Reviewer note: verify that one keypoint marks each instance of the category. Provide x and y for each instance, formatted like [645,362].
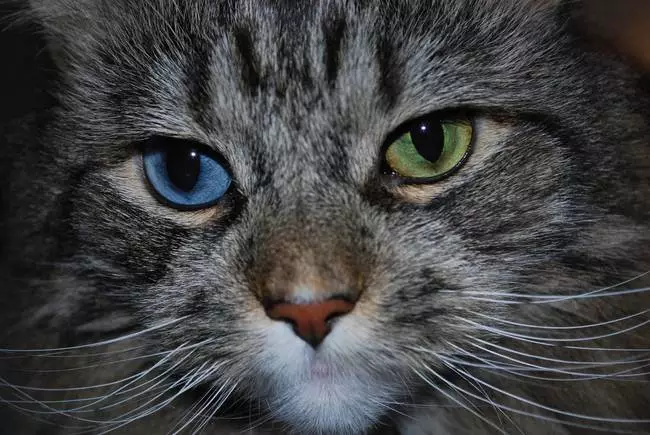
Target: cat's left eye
[183,174]
[429,148]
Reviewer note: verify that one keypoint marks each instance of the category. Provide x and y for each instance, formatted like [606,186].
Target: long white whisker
[538,299]
[123,389]
[485,394]
[51,411]
[65,354]
[576,376]
[190,380]
[560,328]
[551,340]
[28,413]
[99,343]
[159,378]
[205,397]
[511,368]
[546,298]
[557,360]
[73,401]
[109,384]
[556,410]
[607,349]
[103,364]
[387,406]
[69,412]
[209,402]
[487,397]
[521,412]
[453,399]
[125,421]
[216,407]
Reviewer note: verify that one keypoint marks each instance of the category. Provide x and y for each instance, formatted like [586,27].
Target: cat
[330,217]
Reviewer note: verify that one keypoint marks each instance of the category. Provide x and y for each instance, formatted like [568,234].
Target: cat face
[313,272]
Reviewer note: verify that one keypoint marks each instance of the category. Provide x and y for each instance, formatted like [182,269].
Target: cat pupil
[183,167]
[428,139]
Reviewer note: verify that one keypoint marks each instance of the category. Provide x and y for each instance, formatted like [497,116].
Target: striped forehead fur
[490,301]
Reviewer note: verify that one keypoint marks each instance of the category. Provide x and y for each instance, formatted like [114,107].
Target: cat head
[260,184]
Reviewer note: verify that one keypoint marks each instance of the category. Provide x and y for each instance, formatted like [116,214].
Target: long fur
[511,297]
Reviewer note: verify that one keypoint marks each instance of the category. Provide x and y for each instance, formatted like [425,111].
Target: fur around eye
[311,273]
[183,175]
[429,148]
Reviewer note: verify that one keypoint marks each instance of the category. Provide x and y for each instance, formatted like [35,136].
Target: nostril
[311,322]
[333,316]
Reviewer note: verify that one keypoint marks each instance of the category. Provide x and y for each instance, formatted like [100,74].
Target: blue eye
[183,174]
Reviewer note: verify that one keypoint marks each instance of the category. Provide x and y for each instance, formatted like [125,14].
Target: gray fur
[299,98]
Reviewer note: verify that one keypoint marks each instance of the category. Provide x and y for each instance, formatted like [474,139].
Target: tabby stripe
[198,77]
[389,77]
[250,67]
[334,30]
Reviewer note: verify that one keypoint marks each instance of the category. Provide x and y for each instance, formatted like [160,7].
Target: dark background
[26,70]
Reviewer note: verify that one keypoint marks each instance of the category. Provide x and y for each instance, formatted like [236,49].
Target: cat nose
[311,321]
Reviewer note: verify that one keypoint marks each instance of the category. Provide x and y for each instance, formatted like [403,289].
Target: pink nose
[311,322]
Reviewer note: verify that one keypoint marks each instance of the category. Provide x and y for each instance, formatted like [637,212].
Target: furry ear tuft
[59,13]
[67,24]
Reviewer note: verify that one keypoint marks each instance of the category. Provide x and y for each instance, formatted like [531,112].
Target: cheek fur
[509,298]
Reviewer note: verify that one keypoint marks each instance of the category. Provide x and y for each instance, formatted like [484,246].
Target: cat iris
[185,175]
[429,148]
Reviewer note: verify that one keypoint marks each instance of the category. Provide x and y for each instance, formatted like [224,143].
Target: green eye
[430,148]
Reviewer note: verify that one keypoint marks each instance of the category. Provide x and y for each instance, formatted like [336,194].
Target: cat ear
[61,16]
[67,25]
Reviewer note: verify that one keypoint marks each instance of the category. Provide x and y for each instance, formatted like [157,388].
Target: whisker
[517,371]
[103,364]
[525,413]
[51,411]
[607,349]
[560,328]
[387,406]
[217,406]
[539,299]
[28,413]
[117,424]
[492,402]
[99,343]
[208,402]
[491,364]
[63,354]
[547,298]
[162,376]
[556,410]
[72,401]
[189,381]
[97,386]
[482,391]
[202,409]
[453,399]
[551,340]
[557,360]
[194,407]
[70,413]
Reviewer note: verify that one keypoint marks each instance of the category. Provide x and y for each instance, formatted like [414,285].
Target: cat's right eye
[184,174]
